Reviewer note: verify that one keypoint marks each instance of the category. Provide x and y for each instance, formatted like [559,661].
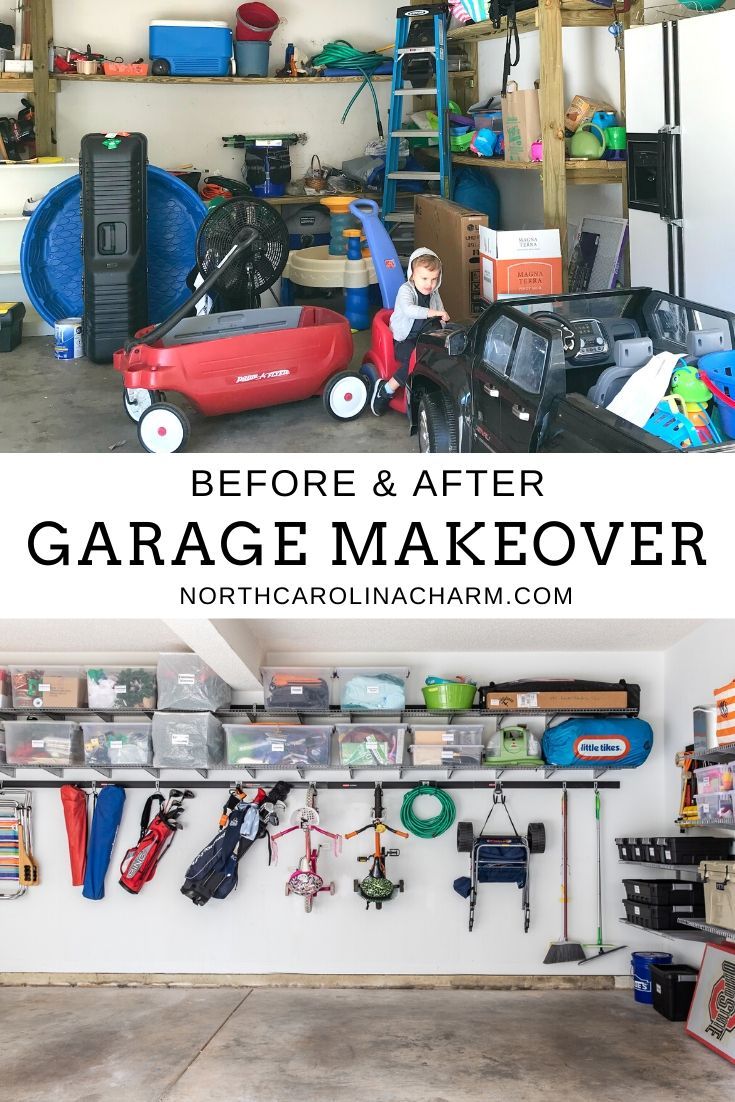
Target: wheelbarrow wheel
[345,396]
[536,837]
[465,837]
[136,400]
[163,428]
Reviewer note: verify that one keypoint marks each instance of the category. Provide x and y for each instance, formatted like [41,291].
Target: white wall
[259,930]
[185,122]
[693,669]
[591,69]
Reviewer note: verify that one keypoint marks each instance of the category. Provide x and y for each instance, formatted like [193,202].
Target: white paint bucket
[68,339]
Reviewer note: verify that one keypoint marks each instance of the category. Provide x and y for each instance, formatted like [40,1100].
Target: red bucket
[255,23]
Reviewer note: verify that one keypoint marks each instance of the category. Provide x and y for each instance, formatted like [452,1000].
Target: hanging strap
[511,37]
[147,816]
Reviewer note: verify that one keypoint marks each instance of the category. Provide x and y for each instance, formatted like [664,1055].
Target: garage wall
[184,122]
[423,931]
[693,669]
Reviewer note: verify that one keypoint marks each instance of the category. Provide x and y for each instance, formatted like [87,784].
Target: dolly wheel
[163,428]
[136,400]
[536,837]
[356,885]
[345,396]
[465,837]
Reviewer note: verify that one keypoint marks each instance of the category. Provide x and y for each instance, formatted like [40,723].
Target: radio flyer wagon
[499,858]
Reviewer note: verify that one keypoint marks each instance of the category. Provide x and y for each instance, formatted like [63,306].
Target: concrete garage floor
[50,405]
[275,1045]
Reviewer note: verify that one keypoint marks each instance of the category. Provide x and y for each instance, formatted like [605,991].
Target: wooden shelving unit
[214,80]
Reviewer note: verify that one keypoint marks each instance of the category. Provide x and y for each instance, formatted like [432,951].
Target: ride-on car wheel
[136,400]
[436,430]
[345,396]
[536,837]
[465,837]
[163,428]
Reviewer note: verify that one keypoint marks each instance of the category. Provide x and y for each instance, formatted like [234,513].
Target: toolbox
[11,325]
[191,48]
[673,989]
[665,893]
[660,918]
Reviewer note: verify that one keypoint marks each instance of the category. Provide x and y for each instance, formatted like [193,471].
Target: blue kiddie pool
[51,255]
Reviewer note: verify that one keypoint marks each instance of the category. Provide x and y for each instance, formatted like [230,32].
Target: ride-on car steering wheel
[570,339]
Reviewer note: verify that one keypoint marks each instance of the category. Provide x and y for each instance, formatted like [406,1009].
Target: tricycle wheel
[465,837]
[400,886]
[536,837]
[437,430]
[136,400]
[345,396]
[160,67]
[163,428]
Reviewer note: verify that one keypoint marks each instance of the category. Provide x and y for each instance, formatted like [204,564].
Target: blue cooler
[189,48]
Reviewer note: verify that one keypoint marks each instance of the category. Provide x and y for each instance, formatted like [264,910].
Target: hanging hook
[158,784]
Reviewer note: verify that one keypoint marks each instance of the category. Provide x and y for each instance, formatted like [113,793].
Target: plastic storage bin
[117,743]
[714,778]
[48,687]
[640,849]
[6,696]
[297,688]
[190,48]
[132,687]
[660,918]
[673,989]
[278,746]
[445,755]
[685,849]
[717,806]
[719,892]
[625,849]
[187,740]
[649,847]
[665,893]
[186,683]
[370,744]
[469,734]
[372,689]
[43,743]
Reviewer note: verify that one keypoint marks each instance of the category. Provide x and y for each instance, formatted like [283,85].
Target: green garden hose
[428,828]
[342,55]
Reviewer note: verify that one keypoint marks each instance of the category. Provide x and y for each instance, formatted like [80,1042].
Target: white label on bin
[667,855]
[44,688]
[447,736]
[658,989]
[278,747]
[528,700]
[187,679]
[179,740]
[116,744]
[297,690]
[637,889]
[682,910]
[120,689]
[447,755]
[636,910]
[38,743]
[374,689]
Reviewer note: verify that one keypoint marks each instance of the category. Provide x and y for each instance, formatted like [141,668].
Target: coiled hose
[438,824]
[342,55]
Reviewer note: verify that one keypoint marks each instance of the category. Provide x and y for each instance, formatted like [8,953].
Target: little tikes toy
[376,887]
[139,864]
[598,741]
[498,858]
[305,880]
[243,358]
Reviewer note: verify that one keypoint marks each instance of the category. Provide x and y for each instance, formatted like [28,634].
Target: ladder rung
[401,216]
[411,175]
[415,92]
[414,51]
[425,134]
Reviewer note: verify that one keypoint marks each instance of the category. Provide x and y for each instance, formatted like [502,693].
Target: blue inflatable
[598,741]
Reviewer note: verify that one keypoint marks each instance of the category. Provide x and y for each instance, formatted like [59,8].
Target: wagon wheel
[465,837]
[346,395]
[136,400]
[536,837]
[163,428]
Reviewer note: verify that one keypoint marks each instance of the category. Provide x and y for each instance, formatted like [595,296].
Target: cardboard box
[554,702]
[63,692]
[520,262]
[453,232]
[581,110]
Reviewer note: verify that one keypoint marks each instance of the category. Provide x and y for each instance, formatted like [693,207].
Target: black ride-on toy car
[537,375]
[499,859]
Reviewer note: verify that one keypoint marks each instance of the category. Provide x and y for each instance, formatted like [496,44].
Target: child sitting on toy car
[417,301]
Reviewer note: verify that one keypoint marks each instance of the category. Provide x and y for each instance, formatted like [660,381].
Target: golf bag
[213,873]
[139,864]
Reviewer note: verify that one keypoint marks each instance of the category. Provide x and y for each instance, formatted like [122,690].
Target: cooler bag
[598,741]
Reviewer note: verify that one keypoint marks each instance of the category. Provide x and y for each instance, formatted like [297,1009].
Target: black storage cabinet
[673,989]
[114,205]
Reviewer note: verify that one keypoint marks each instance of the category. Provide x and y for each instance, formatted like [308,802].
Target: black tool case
[114,204]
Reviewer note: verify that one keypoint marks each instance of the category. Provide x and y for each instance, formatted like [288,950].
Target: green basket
[449,694]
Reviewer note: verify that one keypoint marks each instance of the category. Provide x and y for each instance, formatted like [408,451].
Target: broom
[564,951]
[602,947]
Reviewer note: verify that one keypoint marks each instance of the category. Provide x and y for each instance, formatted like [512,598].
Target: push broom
[602,948]
[564,951]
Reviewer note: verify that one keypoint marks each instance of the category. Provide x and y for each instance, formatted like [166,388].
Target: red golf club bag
[139,864]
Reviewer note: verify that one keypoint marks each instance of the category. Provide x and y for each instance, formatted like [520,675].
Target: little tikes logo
[721,1003]
[601,747]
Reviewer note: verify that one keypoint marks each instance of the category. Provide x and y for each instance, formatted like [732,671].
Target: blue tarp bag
[598,741]
[106,819]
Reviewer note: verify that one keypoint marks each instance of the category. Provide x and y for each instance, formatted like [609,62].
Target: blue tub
[186,48]
[720,368]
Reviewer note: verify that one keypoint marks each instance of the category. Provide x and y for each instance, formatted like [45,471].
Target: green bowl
[449,694]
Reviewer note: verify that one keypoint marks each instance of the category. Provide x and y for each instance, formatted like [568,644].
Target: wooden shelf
[19,87]
[574,13]
[577,171]
[215,80]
